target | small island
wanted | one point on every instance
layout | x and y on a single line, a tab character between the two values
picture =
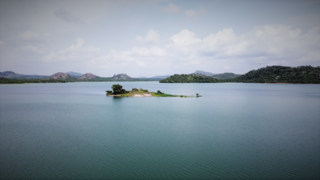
119	92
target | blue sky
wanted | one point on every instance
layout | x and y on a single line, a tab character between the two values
148	38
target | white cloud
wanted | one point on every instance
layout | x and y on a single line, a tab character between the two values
73	48
151	37
265	44
140	56
1	43
184	38
76	52
172	8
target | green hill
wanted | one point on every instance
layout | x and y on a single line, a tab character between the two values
226	75
269	74
121	77
282	74
189	78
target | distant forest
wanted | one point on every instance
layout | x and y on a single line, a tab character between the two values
269	74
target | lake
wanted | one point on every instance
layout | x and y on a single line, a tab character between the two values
234	131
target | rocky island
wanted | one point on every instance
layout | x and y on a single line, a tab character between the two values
119	92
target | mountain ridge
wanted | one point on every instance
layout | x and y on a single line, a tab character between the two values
74	74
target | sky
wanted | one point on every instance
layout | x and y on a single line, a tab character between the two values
157	37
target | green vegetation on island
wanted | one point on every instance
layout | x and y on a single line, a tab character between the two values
118	91
269	74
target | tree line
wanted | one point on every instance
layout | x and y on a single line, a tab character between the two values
269	74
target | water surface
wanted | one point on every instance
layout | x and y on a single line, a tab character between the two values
234	131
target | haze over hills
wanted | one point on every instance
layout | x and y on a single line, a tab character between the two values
9	75
121	76
74	74
13	75
62	76
226	75
88	76
203	73
161	77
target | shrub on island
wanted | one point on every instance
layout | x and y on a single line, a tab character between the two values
117	89
144	90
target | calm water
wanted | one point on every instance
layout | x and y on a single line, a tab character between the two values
234	131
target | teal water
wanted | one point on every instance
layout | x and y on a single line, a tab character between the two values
234	131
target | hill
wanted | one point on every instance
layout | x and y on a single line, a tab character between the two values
282	74
74	74
203	73
121	77
63	76
160	77
226	75
24	76
189	78
9	75
269	74
13	75
88	76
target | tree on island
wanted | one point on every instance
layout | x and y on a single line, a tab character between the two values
117	89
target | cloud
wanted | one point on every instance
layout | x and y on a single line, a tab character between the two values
73	48
264	45
76	53
140	56
267	43
172	8
151	37
67	16
1	43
